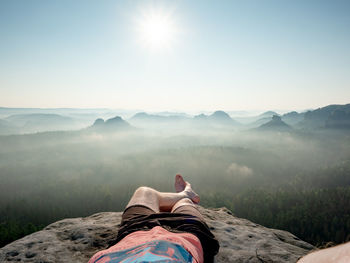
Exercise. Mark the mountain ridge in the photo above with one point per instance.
(334, 116)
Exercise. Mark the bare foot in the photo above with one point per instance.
(191, 194)
(182, 186)
(180, 183)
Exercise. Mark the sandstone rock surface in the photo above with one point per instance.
(77, 239)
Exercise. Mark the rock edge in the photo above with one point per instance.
(77, 239)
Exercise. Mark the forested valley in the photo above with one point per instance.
(296, 181)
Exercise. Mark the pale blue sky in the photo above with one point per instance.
(230, 55)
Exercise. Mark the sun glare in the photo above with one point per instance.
(157, 30)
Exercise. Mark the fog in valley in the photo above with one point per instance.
(288, 171)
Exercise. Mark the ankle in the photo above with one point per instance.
(185, 195)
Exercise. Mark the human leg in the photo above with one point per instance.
(186, 206)
(184, 217)
(159, 201)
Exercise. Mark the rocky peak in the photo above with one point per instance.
(98, 122)
(110, 125)
(275, 124)
(77, 239)
(220, 115)
(276, 118)
(115, 121)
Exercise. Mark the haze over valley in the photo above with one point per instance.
(278, 170)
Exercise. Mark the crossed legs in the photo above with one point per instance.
(165, 202)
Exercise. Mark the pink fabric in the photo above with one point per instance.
(188, 241)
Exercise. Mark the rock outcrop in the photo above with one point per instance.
(217, 119)
(111, 125)
(276, 124)
(77, 239)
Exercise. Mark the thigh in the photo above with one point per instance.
(136, 211)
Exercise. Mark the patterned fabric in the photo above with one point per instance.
(203, 245)
(140, 239)
(155, 251)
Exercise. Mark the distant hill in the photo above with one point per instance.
(257, 120)
(332, 116)
(23, 119)
(159, 122)
(293, 117)
(268, 114)
(170, 113)
(217, 118)
(221, 116)
(290, 118)
(201, 117)
(37, 122)
(338, 119)
(276, 124)
(82, 117)
(30, 120)
(7, 128)
(110, 125)
(143, 116)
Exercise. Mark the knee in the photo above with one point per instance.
(143, 189)
(182, 202)
(185, 201)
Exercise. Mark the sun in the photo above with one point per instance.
(157, 29)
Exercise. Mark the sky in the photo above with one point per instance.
(175, 55)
